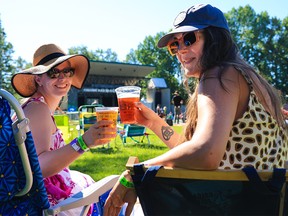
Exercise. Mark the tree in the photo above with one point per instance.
(6, 62)
(9, 66)
(262, 42)
(97, 55)
(131, 57)
(166, 66)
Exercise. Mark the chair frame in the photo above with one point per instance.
(20, 128)
(129, 131)
(232, 175)
(229, 175)
(85, 197)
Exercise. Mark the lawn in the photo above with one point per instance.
(107, 160)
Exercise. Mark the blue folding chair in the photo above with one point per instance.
(22, 190)
(175, 191)
(132, 131)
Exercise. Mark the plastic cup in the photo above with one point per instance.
(127, 96)
(107, 113)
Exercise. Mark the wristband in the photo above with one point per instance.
(126, 183)
(82, 144)
(75, 145)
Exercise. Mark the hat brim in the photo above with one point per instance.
(24, 83)
(163, 42)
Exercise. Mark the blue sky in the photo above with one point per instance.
(115, 24)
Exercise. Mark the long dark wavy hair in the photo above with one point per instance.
(220, 50)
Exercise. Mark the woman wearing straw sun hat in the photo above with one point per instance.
(51, 77)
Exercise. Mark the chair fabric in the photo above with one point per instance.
(175, 196)
(131, 131)
(87, 117)
(12, 177)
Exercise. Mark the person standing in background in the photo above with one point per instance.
(177, 101)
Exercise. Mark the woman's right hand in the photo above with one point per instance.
(145, 116)
(118, 196)
(100, 133)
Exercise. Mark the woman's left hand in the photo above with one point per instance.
(118, 197)
(100, 133)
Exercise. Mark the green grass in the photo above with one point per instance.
(103, 161)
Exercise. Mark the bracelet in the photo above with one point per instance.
(75, 145)
(126, 183)
(82, 144)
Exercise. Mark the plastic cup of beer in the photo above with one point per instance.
(127, 96)
(107, 113)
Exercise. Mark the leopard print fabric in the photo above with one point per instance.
(255, 140)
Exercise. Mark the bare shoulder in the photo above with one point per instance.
(226, 80)
(37, 109)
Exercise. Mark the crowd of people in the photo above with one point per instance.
(229, 94)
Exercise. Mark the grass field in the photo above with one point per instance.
(107, 160)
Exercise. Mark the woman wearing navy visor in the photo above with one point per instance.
(234, 117)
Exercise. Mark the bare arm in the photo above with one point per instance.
(42, 128)
(150, 119)
(216, 113)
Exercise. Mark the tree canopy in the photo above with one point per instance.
(8, 66)
(6, 61)
(97, 55)
(262, 41)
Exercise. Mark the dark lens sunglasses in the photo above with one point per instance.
(54, 73)
(188, 39)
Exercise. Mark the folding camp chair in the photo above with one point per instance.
(96, 193)
(87, 117)
(131, 131)
(22, 190)
(171, 191)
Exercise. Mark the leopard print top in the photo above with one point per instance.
(255, 140)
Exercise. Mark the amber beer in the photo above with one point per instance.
(126, 106)
(127, 96)
(107, 113)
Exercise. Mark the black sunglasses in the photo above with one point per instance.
(55, 73)
(188, 39)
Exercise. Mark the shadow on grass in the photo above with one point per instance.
(117, 149)
(105, 150)
(145, 146)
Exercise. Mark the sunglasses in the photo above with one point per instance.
(188, 39)
(54, 73)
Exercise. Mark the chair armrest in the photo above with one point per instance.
(218, 174)
(20, 128)
(85, 197)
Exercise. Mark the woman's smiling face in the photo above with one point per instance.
(56, 86)
(189, 56)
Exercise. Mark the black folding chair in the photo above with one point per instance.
(170, 191)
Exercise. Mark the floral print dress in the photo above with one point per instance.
(67, 182)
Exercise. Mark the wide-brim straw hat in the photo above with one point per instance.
(45, 58)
